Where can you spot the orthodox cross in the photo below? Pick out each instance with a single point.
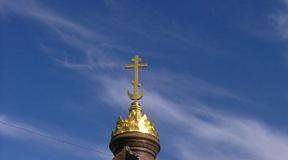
(136, 64)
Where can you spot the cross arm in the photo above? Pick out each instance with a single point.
(128, 66)
(143, 65)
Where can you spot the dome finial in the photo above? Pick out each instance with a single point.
(136, 64)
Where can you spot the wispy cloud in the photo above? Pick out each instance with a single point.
(37, 136)
(191, 86)
(91, 45)
(32, 9)
(281, 19)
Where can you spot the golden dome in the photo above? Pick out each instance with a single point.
(136, 121)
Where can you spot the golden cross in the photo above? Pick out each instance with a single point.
(136, 64)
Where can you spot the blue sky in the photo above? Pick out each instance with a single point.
(216, 85)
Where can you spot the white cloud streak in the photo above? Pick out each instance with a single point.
(31, 9)
(93, 46)
(281, 20)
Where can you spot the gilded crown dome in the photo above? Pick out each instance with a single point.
(136, 121)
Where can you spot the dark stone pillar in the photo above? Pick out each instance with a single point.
(144, 145)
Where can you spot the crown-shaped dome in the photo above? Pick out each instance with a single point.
(136, 121)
